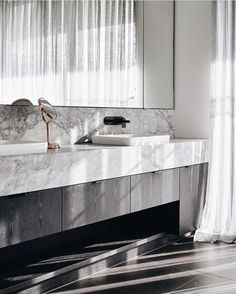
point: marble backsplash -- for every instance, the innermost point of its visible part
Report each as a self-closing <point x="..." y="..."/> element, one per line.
<point x="72" y="123"/>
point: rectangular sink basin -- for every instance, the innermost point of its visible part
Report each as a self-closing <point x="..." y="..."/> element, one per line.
<point x="8" y="147"/>
<point x="130" y="139"/>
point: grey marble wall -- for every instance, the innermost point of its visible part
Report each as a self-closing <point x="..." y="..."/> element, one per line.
<point x="25" y="122"/>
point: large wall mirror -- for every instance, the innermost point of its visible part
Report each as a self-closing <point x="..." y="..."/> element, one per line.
<point x="93" y="53"/>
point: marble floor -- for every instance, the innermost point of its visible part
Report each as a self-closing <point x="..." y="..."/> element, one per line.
<point x="182" y="267"/>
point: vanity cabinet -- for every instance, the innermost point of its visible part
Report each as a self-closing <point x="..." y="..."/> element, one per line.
<point x="153" y="189"/>
<point x="193" y="183"/>
<point x="92" y="202"/>
<point x="32" y="215"/>
<point x="28" y="216"/>
<point x="5" y="221"/>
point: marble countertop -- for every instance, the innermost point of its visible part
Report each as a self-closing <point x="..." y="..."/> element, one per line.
<point x="76" y="164"/>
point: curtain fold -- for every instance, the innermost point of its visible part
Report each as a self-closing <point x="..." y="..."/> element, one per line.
<point x="219" y="214"/>
<point x="77" y="52"/>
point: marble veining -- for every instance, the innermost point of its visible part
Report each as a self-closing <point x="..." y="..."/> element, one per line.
<point x="76" y="164"/>
<point x="25" y="122"/>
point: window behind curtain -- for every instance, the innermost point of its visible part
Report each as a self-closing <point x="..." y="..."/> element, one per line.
<point x="70" y="52"/>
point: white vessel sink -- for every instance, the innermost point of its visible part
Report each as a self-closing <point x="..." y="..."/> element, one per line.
<point x="8" y="147"/>
<point x="130" y="139"/>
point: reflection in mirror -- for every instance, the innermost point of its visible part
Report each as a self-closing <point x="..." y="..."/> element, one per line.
<point x="80" y="53"/>
<point x="158" y="54"/>
<point x="48" y="114"/>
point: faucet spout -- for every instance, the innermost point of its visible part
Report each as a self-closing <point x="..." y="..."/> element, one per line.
<point x="115" y="120"/>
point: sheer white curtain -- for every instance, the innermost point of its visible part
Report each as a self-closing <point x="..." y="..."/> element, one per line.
<point x="219" y="215"/>
<point x="74" y="52"/>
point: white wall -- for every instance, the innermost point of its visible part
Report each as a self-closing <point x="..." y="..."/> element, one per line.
<point x="192" y="68"/>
